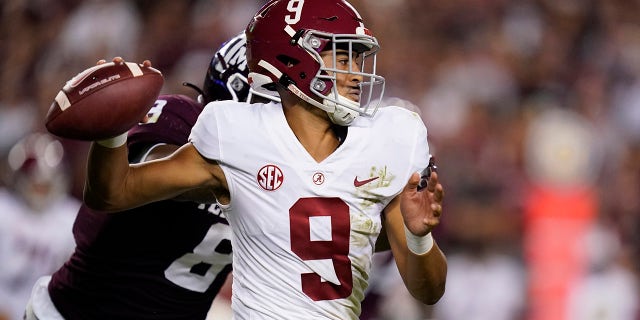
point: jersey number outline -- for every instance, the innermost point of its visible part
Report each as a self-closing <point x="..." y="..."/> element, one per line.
<point x="336" y="249"/>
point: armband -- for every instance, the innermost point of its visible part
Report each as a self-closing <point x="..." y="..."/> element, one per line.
<point x="114" y="142"/>
<point x="418" y="245"/>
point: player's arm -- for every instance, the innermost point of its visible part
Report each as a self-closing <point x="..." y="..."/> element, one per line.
<point x="424" y="273"/>
<point x="113" y="185"/>
<point x="161" y="150"/>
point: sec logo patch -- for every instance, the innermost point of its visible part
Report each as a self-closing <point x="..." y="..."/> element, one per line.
<point x="270" y="177"/>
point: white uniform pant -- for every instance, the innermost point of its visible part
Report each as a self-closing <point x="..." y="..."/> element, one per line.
<point x="40" y="306"/>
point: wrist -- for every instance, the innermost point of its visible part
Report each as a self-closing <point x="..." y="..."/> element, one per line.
<point x="114" y="142"/>
<point x="418" y="244"/>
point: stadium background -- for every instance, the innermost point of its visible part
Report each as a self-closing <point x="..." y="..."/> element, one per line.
<point x="533" y="110"/>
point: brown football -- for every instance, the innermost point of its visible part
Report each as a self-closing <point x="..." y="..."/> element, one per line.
<point x="104" y="101"/>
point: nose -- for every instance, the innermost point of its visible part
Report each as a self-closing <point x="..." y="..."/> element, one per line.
<point x="355" y="69"/>
<point x="355" y="65"/>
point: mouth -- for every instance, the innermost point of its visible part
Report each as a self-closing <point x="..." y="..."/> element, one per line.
<point x="354" y="94"/>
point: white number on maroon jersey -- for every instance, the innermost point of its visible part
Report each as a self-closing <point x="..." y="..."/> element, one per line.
<point x="180" y="271"/>
<point x="336" y="249"/>
<point x="154" y="113"/>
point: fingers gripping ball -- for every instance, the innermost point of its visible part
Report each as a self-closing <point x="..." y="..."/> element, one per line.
<point x="104" y="101"/>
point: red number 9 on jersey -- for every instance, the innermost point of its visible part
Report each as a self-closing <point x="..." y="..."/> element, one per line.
<point x="336" y="249"/>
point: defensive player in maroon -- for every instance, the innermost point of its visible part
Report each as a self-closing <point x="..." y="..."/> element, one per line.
<point x="164" y="260"/>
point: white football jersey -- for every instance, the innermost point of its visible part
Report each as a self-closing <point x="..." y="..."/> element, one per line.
<point x="303" y="231"/>
<point x="32" y="244"/>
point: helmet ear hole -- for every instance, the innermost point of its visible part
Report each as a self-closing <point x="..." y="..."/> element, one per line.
<point x="287" y="60"/>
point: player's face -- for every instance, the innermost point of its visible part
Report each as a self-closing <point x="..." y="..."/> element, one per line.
<point x="347" y="82"/>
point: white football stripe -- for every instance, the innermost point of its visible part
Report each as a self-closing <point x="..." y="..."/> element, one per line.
<point x="135" y="69"/>
<point x="63" y="100"/>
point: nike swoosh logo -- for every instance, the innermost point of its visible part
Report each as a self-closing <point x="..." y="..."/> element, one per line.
<point x="359" y="183"/>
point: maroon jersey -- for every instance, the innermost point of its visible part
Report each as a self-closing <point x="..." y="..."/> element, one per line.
<point x="165" y="260"/>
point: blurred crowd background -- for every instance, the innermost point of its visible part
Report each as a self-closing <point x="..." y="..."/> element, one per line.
<point x="533" y="112"/>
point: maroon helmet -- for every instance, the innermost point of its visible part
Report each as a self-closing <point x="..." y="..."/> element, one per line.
<point x="284" y="41"/>
<point x="37" y="171"/>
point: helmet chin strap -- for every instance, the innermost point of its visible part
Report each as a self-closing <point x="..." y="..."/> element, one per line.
<point x="338" y="114"/>
<point x="341" y="116"/>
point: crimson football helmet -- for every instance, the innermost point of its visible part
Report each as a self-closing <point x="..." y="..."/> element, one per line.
<point x="37" y="171"/>
<point x="226" y="77"/>
<point x="284" y="41"/>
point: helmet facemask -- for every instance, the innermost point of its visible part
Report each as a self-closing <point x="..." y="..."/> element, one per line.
<point x="362" y="49"/>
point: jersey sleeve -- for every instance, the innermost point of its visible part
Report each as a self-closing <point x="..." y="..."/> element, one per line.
<point x="422" y="153"/>
<point x="168" y="121"/>
<point x="411" y="133"/>
<point x="205" y="134"/>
